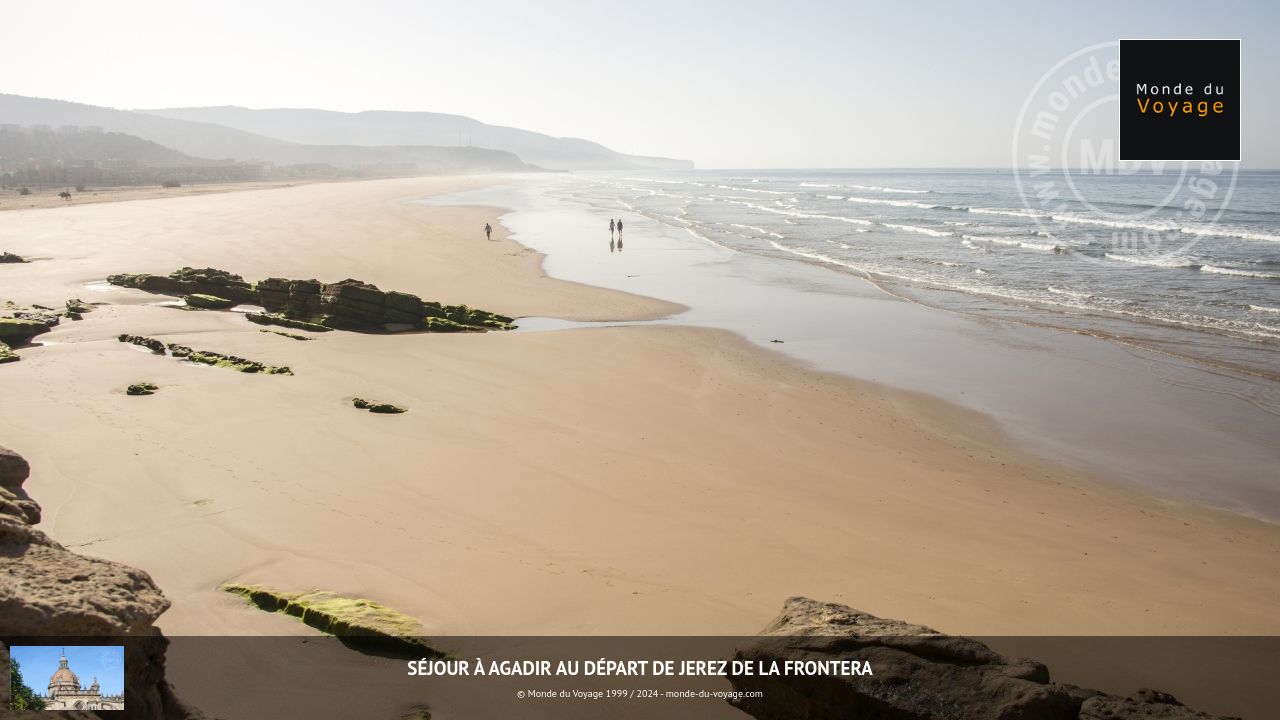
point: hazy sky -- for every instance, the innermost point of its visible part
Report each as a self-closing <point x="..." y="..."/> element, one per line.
<point x="726" y="84"/>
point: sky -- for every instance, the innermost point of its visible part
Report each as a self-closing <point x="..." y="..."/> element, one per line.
<point x="106" y="662"/>
<point x="724" y="83"/>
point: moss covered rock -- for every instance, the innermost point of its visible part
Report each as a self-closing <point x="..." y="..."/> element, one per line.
<point x="142" y="388"/>
<point x="151" y="344"/>
<point x="7" y="355"/>
<point x="8" y="257"/>
<point x="377" y="407"/>
<point x="208" y="302"/>
<point x="231" y="362"/>
<point x="360" y="622"/>
<point x="17" y="331"/>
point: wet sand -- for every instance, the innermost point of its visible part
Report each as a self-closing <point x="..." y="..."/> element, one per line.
<point x="632" y="480"/>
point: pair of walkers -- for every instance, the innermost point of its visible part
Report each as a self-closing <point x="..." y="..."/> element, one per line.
<point x="615" y="226"/>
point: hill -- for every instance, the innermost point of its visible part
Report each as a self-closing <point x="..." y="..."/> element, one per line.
<point x="212" y="141"/>
<point x="383" y="127"/>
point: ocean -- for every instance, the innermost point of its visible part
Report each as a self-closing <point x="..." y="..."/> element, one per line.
<point x="1117" y="256"/>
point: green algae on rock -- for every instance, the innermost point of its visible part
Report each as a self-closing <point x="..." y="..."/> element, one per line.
<point x="8" y="257"/>
<point x="378" y="407"/>
<point x="355" y="620"/>
<point x="7" y="355"/>
<point x="208" y="302"/>
<point x="18" y="331"/>
<point x="142" y="388"/>
<point x="232" y="362"/>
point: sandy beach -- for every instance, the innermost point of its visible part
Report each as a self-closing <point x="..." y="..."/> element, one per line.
<point x="630" y="480"/>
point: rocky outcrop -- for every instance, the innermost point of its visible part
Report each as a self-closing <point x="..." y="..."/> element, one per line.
<point x="7" y="355"/>
<point x="312" y="305"/>
<point x="231" y="362"/>
<point x="377" y="407"/>
<point x="191" y="281"/>
<point x="355" y="305"/>
<point x="14" y="501"/>
<point x="19" y="331"/>
<point x="142" y="388"/>
<point x="919" y="674"/>
<point x="151" y="344"/>
<point x="8" y="257"/>
<point x="51" y="592"/>
<point x="359" y="622"/>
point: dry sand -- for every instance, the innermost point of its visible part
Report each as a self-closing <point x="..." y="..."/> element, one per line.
<point x="39" y="198"/>
<point x="602" y="481"/>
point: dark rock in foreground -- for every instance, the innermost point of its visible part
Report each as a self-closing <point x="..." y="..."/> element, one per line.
<point x="919" y="674"/>
<point x="52" y="592"/>
<point x="7" y="355"/>
<point x="142" y="388"/>
<point x="8" y="257"/>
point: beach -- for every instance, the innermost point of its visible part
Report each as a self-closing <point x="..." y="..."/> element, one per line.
<point x="649" y="479"/>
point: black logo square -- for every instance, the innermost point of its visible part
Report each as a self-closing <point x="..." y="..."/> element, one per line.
<point x="1179" y="99"/>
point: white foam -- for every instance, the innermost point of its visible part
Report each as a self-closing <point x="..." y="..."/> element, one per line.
<point x="918" y="229"/>
<point x="1264" y="309"/>
<point x="895" y="203"/>
<point x="1239" y="273"/>
<point x="1161" y="261"/>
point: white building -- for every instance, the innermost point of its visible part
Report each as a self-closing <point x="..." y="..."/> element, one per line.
<point x="66" y="693"/>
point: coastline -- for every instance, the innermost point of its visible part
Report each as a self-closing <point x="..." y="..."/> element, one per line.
<point x="619" y="480"/>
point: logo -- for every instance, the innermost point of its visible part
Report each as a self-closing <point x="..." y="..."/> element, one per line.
<point x="1073" y="182"/>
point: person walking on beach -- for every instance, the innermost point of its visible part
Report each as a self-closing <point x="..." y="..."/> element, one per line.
<point x="610" y="230"/>
<point x="488" y="231"/>
<point x="619" y="229"/>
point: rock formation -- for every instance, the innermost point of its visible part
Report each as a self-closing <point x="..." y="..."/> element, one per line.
<point x="8" y="257"/>
<point x="919" y="674"/>
<point x="151" y="344"/>
<point x="232" y="362"/>
<point x="52" y="592"/>
<point x="313" y="305"/>
<point x="19" y="331"/>
<point x="377" y="407"/>
<point x="359" y="622"/>
<point x="7" y="355"/>
<point x="142" y="388"/>
<point x="191" y="281"/>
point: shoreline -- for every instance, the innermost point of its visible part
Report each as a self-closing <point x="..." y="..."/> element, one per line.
<point x="1171" y="427"/>
<point x="654" y="479"/>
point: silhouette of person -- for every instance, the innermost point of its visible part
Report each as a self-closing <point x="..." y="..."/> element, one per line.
<point x="619" y="228"/>
<point x="488" y="231"/>
<point x="610" y="228"/>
